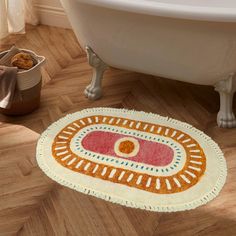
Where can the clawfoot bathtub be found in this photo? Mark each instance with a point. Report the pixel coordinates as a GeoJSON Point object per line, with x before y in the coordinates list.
{"type": "Point", "coordinates": [186, 40]}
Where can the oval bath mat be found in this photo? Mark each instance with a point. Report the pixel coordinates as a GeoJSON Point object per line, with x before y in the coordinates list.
{"type": "Point", "coordinates": [136, 159]}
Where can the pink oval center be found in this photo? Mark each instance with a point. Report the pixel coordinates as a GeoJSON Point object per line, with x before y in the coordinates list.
{"type": "Point", "coordinates": [149, 152]}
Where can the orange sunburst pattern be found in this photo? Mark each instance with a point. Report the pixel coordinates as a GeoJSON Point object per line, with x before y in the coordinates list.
{"type": "Point", "coordinates": [137, 166]}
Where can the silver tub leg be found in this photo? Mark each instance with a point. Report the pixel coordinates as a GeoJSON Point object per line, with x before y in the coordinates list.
{"type": "Point", "coordinates": [226, 89]}
{"type": "Point", "coordinates": [94, 90]}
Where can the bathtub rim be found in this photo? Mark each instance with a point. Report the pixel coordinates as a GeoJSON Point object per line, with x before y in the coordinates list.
{"type": "Point", "coordinates": [180, 11]}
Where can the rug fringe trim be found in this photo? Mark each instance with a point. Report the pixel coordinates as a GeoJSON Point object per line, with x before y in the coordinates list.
{"type": "Point", "coordinates": [181, 207]}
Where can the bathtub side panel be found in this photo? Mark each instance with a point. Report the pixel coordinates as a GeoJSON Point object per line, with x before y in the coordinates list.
{"type": "Point", "coordinates": [191, 51]}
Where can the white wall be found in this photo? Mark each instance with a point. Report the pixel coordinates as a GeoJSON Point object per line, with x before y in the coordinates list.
{"type": "Point", "coordinates": [51, 13]}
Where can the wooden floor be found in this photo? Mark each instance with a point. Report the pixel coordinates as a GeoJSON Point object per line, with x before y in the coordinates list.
{"type": "Point", "coordinates": [32, 204]}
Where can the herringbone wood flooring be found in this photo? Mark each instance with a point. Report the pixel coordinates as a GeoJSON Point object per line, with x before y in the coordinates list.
{"type": "Point", "coordinates": [32, 204]}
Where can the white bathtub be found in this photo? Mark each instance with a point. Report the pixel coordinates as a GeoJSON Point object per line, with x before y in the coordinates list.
{"type": "Point", "coordinates": [187, 40]}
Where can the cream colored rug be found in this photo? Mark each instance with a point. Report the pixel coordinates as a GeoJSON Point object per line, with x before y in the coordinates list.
{"type": "Point", "coordinates": [133, 158]}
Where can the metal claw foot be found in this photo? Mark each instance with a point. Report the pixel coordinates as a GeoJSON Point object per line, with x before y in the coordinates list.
{"type": "Point", "coordinates": [94, 90]}
{"type": "Point", "coordinates": [226, 89]}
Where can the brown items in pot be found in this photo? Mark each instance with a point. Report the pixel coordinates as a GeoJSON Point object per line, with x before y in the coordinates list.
{"type": "Point", "coordinates": [22, 60]}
